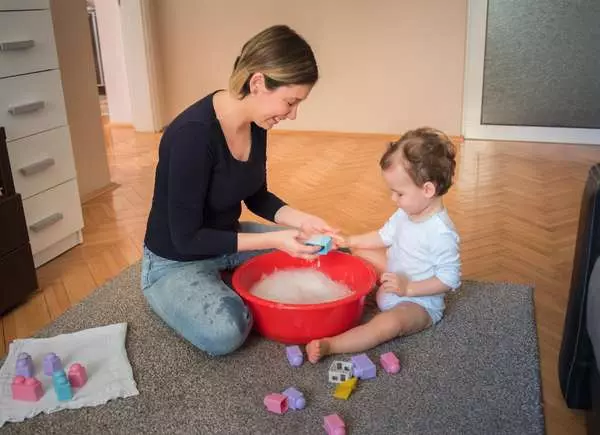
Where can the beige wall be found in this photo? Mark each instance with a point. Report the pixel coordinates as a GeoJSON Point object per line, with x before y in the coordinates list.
{"type": "Point", "coordinates": [386, 65]}
{"type": "Point", "coordinates": [74, 46]}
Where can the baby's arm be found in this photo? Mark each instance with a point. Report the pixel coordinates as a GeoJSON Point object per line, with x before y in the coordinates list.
{"type": "Point", "coordinates": [427, 287]}
{"type": "Point", "coordinates": [446, 257]}
{"type": "Point", "coordinates": [370, 240]}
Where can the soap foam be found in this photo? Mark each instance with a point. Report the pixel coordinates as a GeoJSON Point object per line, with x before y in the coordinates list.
{"type": "Point", "coordinates": [299, 286]}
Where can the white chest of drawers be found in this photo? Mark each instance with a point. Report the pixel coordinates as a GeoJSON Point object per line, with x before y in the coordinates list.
{"type": "Point", "coordinates": [32, 110]}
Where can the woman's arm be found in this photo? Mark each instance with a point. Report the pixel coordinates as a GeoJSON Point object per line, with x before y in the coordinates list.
{"type": "Point", "coordinates": [188, 177]}
{"type": "Point", "coordinates": [291, 217]}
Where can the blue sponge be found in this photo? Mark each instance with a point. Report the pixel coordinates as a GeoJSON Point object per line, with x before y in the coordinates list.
{"type": "Point", "coordinates": [324, 242]}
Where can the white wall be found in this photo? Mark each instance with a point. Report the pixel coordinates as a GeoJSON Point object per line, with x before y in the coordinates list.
{"type": "Point", "coordinates": [108, 15]}
{"type": "Point", "coordinates": [139, 64]}
{"type": "Point", "coordinates": [386, 65]}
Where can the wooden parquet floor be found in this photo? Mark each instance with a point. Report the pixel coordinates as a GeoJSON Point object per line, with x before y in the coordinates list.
{"type": "Point", "coordinates": [516, 206]}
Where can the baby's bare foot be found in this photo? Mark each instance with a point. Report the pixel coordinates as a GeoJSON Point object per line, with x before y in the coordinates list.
{"type": "Point", "coordinates": [317, 349]}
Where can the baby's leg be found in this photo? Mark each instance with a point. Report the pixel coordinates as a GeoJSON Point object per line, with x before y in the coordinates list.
{"type": "Point", "coordinates": [404, 319]}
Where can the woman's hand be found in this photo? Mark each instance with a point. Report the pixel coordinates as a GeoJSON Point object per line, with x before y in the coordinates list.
{"type": "Point", "coordinates": [312, 225]}
{"type": "Point", "coordinates": [394, 283]}
{"type": "Point", "coordinates": [292, 242]}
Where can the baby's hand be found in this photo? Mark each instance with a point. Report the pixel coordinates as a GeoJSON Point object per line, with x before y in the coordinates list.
{"type": "Point", "coordinates": [340, 241]}
{"type": "Point", "coordinates": [393, 283]}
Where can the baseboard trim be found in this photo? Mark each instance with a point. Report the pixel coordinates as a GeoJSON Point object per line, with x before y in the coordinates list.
{"type": "Point", "coordinates": [119, 124]}
{"type": "Point", "coordinates": [379, 136]}
{"type": "Point", "coordinates": [385, 136]}
{"type": "Point", "coordinates": [96, 193]}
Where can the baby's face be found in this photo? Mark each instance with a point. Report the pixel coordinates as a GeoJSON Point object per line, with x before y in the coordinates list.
{"type": "Point", "coordinates": [405, 193]}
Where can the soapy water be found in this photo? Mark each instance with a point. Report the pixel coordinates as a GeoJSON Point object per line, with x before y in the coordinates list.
{"type": "Point", "coordinates": [299, 286]}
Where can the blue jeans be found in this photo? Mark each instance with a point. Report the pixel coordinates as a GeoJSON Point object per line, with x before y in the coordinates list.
{"type": "Point", "coordinates": [191, 297]}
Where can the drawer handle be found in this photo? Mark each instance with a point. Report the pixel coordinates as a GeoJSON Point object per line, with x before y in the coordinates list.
{"type": "Point", "coordinates": [26, 108]}
{"type": "Point", "coordinates": [16, 45]}
{"type": "Point", "coordinates": [36, 167]}
{"type": "Point", "coordinates": [46, 222]}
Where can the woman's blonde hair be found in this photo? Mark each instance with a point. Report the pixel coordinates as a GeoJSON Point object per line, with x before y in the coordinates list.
{"type": "Point", "coordinates": [280, 54]}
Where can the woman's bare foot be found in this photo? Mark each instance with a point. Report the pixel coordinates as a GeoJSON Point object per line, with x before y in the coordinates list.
{"type": "Point", "coordinates": [317, 349]}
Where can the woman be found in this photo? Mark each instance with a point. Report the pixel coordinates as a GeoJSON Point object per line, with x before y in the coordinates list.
{"type": "Point", "coordinates": [211, 158]}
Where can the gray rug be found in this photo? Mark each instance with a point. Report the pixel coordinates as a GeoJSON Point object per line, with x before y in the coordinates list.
{"type": "Point", "coordinates": [477, 372]}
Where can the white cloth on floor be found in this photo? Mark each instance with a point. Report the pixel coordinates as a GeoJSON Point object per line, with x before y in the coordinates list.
{"type": "Point", "coordinates": [100, 350]}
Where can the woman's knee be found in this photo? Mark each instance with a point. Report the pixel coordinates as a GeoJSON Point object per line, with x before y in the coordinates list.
{"type": "Point", "coordinates": [202, 309]}
{"type": "Point", "coordinates": [227, 329]}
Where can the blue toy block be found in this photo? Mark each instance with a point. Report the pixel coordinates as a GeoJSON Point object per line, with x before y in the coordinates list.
{"type": "Point", "coordinates": [294, 355]}
{"type": "Point", "coordinates": [324, 242]}
{"type": "Point", "coordinates": [295, 398]}
{"type": "Point", "coordinates": [363, 367]}
{"type": "Point", "coordinates": [62, 387]}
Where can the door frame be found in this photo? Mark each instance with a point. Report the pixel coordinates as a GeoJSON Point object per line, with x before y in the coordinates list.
{"type": "Point", "coordinates": [141, 65]}
{"type": "Point", "coordinates": [473, 93]}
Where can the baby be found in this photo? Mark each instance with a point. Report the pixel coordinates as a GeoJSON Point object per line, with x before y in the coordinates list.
{"type": "Point", "coordinates": [416, 251]}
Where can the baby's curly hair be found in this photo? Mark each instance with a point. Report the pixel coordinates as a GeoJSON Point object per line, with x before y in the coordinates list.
{"type": "Point", "coordinates": [427, 154]}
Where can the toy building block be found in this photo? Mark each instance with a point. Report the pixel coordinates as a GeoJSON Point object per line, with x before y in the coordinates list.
{"type": "Point", "coordinates": [343, 390]}
{"type": "Point", "coordinates": [52, 364]}
{"type": "Point", "coordinates": [363, 367]}
{"type": "Point", "coordinates": [295, 398]}
{"type": "Point", "coordinates": [77, 375]}
{"type": "Point", "coordinates": [340, 371]}
{"type": "Point", "coordinates": [390, 362]}
{"type": "Point", "coordinates": [29, 389]}
{"type": "Point", "coordinates": [323, 241]}
{"type": "Point", "coordinates": [294, 355]}
{"type": "Point", "coordinates": [24, 366]}
{"type": "Point", "coordinates": [334, 425]}
{"type": "Point", "coordinates": [62, 388]}
{"type": "Point", "coordinates": [277, 403]}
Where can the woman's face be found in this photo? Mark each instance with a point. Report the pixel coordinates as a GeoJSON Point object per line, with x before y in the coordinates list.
{"type": "Point", "coordinates": [271, 106]}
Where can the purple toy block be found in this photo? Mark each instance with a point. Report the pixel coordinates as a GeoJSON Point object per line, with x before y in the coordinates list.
{"type": "Point", "coordinates": [29, 389]}
{"type": "Point", "coordinates": [295, 398]}
{"type": "Point", "coordinates": [24, 366]}
{"type": "Point", "coordinates": [334, 425]}
{"type": "Point", "coordinates": [294, 355]}
{"type": "Point", "coordinates": [277, 403]}
{"type": "Point", "coordinates": [390, 362]}
{"type": "Point", "coordinates": [77, 375]}
{"type": "Point", "coordinates": [52, 364]}
{"type": "Point", "coordinates": [363, 367]}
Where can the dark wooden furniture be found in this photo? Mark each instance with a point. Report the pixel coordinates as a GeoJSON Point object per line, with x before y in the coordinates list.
{"type": "Point", "coordinates": [17, 272]}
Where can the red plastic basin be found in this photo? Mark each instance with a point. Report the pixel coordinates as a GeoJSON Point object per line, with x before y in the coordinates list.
{"type": "Point", "coordinates": [300, 323]}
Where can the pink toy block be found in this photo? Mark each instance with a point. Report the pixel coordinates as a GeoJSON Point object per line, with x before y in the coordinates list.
{"type": "Point", "coordinates": [77, 375]}
{"type": "Point", "coordinates": [277, 403]}
{"type": "Point", "coordinates": [24, 365]}
{"type": "Point", "coordinates": [390, 362]}
{"type": "Point", "coordinates": [294, 355]}
{"type": "Point", "coordinates": [334, 425]}
{"type": "Point", "coordinates": [29, 389]}
{"type": "Point", "coordinates": [363, 367]}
